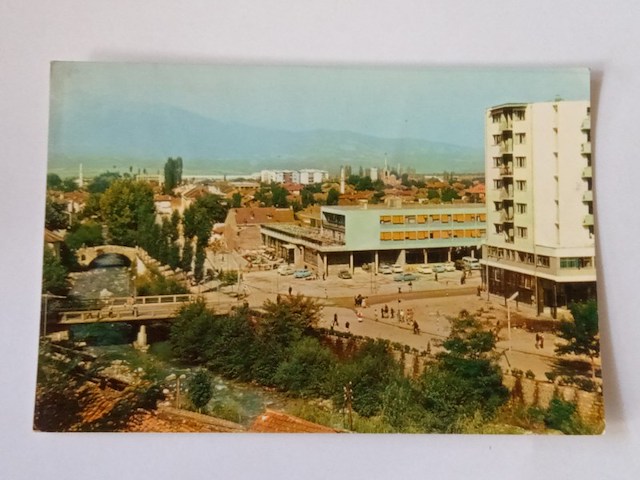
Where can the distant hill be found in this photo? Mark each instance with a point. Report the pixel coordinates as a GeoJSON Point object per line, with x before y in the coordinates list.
{"type": "Point", "coordinates": [145, 135]}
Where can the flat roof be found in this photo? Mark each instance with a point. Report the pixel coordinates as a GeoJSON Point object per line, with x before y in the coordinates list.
{"type": "Point", "coordinates": [410, 206]}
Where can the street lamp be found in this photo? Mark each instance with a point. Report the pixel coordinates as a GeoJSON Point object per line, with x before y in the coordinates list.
{"type": "Point", "coordinates": [512, 297]}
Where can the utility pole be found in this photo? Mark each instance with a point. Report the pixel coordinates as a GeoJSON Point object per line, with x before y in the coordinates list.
{"type": "Point", "coordinates": [348, 400]}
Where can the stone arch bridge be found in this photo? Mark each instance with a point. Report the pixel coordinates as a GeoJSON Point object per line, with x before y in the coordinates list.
{"type": "Point", "coordinates": [86, 255]}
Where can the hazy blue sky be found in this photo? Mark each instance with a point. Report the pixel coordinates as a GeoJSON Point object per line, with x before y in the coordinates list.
{"type": "Point", "coordinates": [445, 105]}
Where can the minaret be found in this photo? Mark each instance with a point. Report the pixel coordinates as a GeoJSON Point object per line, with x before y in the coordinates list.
{"type": "Point", "coordinates": [80, 178]}
{"type": "Point", "coordinates": [342, 180]}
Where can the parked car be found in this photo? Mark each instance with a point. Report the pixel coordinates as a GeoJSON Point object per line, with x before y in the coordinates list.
{"type": "Point", "coordinates": [344, 274]}
{"type": "Point", "coordinates": [438, 269]}
{"type": "Point", "coordinates": [366, 267]}
{"type": "Point", "coordinates": [425, 269]}
{"type": "Point", "coordinates": [471, 263]}
{"type": "Point", "coordinates": [303, 273]}
{"type": "Point", "coordinates": [397, 268]}
{"type": "Point", "coordinates": [449, 267]}
{"type": "Point", "coordinates": [405, 277]}
{"type": "Point", "coordinates": [285, 270]}
{"type": "Point", "coordinates": [385, 269]}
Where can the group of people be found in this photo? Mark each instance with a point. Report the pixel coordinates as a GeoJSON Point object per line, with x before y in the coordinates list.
{"type": "Point", "coordinates": [360, 301]}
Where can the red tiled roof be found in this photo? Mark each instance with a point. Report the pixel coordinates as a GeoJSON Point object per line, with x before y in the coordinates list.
{"type": "Point", "coordinates": [50, 237]}
{"type": "Point", "coordinates": [258, 215]}
{"type": "Point", "coordinates": [278, 422]}
{"type": "Point", "coordinates": [479, 188]}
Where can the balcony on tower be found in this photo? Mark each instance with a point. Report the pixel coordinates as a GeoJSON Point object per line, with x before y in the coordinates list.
{"type": "Point", "coordinates": [588, 220]}
{"type": "Point", "coordinates": [506, 193]}
{"type": "Point", "coordinates": [587, 172]}
{"type": "Point", "coordinates": [586, 148]}
{"type": "Point", "coordinates": [506, 124]}
{"type": "Point", "coordinates": [586, 124]}
{"type": "Point", "coordinates": [506, 170]}
{"type": "Point", "coordinates": [506, 216]}
{"type": "Point", "coordinates": [587, 196]}
{"type": "Point", "coordinates": [506, 146]}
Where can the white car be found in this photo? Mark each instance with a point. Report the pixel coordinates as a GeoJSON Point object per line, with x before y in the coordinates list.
{"type": "Point", "coordinates": [385, 269]}
{"type": "Point", "coordinates": [449, 267]}
{"type": "Point", "coordinates": [397, 268]}
{"type": "Point", "coordinates": [425, 270]}
{"type": "Point", "coordinates": [285, 270]}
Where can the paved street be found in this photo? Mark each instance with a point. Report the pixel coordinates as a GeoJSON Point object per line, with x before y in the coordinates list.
{"type": "Point", "coordinates": [432, 302]}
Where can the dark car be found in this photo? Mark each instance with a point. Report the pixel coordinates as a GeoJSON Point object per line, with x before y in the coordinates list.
{"type": "Point", "coordinates": [344, 274]}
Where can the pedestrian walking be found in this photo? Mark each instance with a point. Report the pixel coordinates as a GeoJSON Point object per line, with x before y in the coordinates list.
{"type": "Point", "coordinates": [537, 340]}
{"type": "Point", "coordinates": [541, 340]}
{"type": "Point", "coordinates": [411, 286]}
{"type": "Point", "coordinates": [346, 325]}
{"type": "Point", "coordinates": [364, 302]}
{"type": "Point", "coordinates": [290, 290]}
{"type": "Point", "coordinates": [278, 298]}
{"type": "Point", "coordinates": [436, 277]}
{"type": "Point", "coordinates": [335, 320]}
{"type": "Point", "coordinates": [375, 314]}
{"type": "Point", "coordinates": [401, 316]}
{"type": "Point", "coordinates": [392, 312]}
{"type": "Point", "coordinates": [416, 328]}
{"type": "Point", "coordinates": [359, 315]}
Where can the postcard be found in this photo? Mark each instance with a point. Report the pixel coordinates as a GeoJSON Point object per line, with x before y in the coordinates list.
{"type": "Point", "coordinates": [290, 249]}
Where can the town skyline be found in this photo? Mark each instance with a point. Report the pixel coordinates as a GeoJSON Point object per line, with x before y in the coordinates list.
{"type": "Point", "coordinates": [251, 118]}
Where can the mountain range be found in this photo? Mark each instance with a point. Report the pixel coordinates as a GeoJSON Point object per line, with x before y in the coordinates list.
{"type": "Point", "coordinates": [106, 135]}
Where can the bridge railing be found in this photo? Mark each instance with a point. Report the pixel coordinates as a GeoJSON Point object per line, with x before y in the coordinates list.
{"type": "Point", "coordinates": [152, 299]}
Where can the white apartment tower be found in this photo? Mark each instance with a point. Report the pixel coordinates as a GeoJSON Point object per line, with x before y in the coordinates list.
{"type": "Point", "coordinates": [540, 229]}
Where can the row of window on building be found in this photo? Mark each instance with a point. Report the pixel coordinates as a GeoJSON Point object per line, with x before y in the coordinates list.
{"type": "Point", "coordinates": [521, 162]}
{"type": "Point", "coordinates": [519, 115]}
{"type": "Point", "coordinates": [538, 260]}
{"type": "Point", "coordinates": [521, 185]}
{"type": "Point", "coordinates": [521, 232]}
{"type": "Point", "coordinates": [435, 218]}
{"type": "Point", "coordinates": [431, 234]}
{"type": "Point", "coordinates": [521, 139]}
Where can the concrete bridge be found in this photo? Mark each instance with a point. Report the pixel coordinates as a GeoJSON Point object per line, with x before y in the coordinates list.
{"type": "Point", "coordinates": [140, 309]}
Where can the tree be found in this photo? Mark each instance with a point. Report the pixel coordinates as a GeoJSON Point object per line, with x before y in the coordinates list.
{"type": "Point", "coordinates": [449, 194]}
{"type": "Point", "coordinates": [200, 391]}
{"type": "Point", "coordinates": [129, 212]}
{"type": "Point", "coordinates": [190, 331]}
{"type": "Point", "coordinates": [236, 200]}
{"type": "Point", "coordinates": [198, 266]}
{"type": "Point", "coordinates": [69, 184]}
{"type": "Point", "coordinates": [306, 370]}
{"type": "Point", "coordinates": [333, 196]}
{"type": "Point", "coordinates": [54, 182]}
{"type": "Point", "coordinates": [279, 196]}
{"type": "Point", "coordinates": [465, 379]}
{"type": "Point", "coordinates": [55, 217]}
{"type": "Point", "coordinates": [199, 218]}
{"type": "Point", "coordinates": [54, 274]}
{"type": "Point", "coordinates": [172, 174]}
{"type": "Point", "coordinates": [101, 183]}
{"type": "Point", "coordinates": [581, 334]}
{"type": "Point", "coordinates": [306, 196]}
{"type": "Point", "coordinates": [88, 234]}
{"type": "Point", "coordinates": [187, 257]}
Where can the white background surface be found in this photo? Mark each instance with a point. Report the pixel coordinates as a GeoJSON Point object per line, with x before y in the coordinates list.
{"type": "Point", "coordinates": [601, 35]}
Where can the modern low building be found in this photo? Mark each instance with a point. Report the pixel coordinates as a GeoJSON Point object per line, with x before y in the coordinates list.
{"type": "Point", "coordinates": [405, 234]}
{"type": "Point", "coordinates": [305, 176]}
{"type": "Point", "coordinates": [539, 198]}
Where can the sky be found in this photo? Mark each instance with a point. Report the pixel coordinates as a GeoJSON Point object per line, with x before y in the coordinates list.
{"type": "Point", "coordinates": [436, 104]}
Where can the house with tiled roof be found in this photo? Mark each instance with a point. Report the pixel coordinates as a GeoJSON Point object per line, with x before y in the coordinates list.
{"type": "Point", "coordinates": [242, 225]}
{"type": "Point", "coordinates": [53, 241]}
{"type": "Point", "coordinates": [272, 421]}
